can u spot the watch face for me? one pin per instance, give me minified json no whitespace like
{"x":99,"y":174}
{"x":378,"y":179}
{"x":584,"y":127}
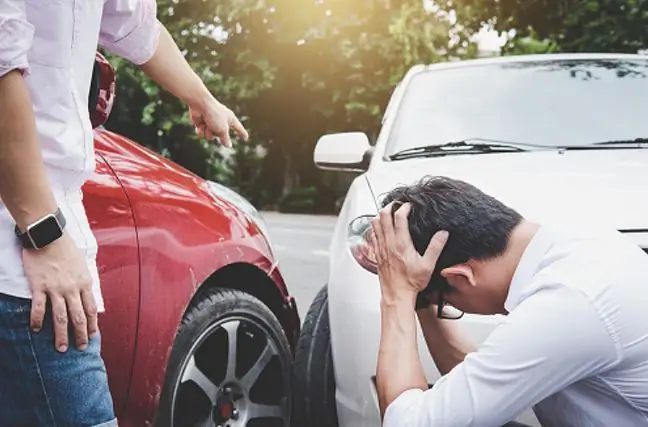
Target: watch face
{"x":45,"y":232}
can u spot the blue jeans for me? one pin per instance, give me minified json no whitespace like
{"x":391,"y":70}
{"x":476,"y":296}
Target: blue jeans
{"x":40,"y":386}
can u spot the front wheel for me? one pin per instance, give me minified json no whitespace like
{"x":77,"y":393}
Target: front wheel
{"x":229,"y":366}
{"x":314,"y":375}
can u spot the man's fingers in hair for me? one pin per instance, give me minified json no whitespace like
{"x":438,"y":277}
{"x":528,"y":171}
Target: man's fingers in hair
{"x":387,"y":224}
{"x":401,"y":225}
{"x":436,"y":245}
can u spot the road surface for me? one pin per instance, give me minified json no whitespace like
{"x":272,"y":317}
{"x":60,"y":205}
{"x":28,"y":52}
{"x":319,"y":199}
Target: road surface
{"x":301,"y":243}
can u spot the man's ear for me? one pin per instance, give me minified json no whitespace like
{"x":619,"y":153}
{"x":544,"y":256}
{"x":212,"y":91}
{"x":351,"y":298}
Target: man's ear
{"x":460,"y":273}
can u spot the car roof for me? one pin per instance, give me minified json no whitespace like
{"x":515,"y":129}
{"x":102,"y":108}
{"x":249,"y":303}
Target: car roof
{"x":508,"y":59}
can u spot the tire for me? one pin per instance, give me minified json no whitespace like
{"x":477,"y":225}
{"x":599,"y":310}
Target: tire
{"x":313,"y":371}
{"x":202,"y":387}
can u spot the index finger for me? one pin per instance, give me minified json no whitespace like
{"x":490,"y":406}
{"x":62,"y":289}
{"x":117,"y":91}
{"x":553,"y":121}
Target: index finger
{"x":239,"y":129}
{"x":436,"y":245}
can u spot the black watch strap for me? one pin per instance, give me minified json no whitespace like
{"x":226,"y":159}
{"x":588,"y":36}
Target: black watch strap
{"x":43,"y":232}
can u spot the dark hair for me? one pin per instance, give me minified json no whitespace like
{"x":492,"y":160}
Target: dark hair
{"x":479,"y":225}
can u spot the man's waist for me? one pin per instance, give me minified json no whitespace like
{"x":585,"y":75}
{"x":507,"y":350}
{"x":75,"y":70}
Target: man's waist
{"x":68,"y":180}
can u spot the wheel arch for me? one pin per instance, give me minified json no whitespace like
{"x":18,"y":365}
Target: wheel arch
{"x":252,"y":280}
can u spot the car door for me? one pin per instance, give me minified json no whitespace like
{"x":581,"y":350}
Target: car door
{"x":111,"y":220}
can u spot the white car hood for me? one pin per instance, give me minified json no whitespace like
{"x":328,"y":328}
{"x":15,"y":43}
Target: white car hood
{"x":600,"y":187}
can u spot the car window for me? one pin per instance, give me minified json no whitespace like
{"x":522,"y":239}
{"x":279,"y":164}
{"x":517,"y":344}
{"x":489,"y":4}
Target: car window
{"x":548,"y":102}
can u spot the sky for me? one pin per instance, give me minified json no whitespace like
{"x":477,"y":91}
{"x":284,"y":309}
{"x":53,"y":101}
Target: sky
{"x":489,"y":40}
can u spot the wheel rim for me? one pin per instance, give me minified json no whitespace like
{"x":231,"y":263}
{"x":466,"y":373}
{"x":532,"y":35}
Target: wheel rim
{"x":233,"y":376}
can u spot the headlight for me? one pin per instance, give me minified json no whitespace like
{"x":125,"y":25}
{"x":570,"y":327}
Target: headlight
{"x":242,"y":203}
{"x":359,"y":240}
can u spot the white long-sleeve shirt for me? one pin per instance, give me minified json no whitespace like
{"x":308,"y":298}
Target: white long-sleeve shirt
{"x":53,"y":42}
{"x":574,"y":346}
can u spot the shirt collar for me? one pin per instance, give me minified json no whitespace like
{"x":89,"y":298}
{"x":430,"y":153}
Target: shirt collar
{"x":528,"y":266}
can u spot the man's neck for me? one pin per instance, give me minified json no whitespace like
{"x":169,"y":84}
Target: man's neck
{"x":518,"y":242}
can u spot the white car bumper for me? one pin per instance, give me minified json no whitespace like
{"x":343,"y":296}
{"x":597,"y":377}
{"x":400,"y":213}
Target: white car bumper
{"x":354,"y":298}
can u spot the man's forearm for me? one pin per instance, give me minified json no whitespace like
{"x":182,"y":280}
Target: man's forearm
{"x":24,"y":187}
{"x":399,"y":368}
{"x":168,"y":68}
{"x":447,"y":346}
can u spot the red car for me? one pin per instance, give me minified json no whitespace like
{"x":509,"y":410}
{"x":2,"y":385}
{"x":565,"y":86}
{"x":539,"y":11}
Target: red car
{"x":199,"y":328}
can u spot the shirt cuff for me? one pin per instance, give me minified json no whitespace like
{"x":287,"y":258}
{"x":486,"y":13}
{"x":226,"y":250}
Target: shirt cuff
{"x":16,"y":37}
{"x":404,"y":410}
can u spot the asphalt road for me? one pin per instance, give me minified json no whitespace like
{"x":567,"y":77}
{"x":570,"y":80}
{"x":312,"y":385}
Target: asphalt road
{"x":301,"y":243}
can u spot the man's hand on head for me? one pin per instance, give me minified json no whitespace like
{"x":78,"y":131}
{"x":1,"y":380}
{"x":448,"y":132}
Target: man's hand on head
{"x":402,"y":271}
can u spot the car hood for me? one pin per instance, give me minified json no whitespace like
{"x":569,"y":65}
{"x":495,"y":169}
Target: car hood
{"x":600,"y":187}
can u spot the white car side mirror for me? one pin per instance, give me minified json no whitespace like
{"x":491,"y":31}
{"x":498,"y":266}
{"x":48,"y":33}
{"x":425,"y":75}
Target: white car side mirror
{"x":347,"y":151}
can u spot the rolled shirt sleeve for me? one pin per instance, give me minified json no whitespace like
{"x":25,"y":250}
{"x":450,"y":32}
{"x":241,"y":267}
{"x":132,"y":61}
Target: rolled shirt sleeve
{"x":16,"y":37}
{"x":552,"y":340}
{"x":130,"y":29}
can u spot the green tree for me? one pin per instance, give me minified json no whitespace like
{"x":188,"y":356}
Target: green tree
{"x":292,"y":72}
{"x":572,"y":26}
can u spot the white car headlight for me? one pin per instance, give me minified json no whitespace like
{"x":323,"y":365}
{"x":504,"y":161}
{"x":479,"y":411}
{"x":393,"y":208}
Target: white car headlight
{"x":359,"y":240}
{"x":242,"y":203}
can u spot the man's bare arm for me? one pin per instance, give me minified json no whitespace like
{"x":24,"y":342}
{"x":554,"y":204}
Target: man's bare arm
{"x":169,"y":69}
{"x":399,"y":368}
{"x":24,"y":187}
{"x":130,"y":29}
{"x":444,"y":340}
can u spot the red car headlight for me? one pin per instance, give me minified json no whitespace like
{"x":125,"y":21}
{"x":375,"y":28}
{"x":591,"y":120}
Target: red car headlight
{"x":359,"y":240}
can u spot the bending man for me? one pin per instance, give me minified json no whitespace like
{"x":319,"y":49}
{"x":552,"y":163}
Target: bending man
{"x":574,"y":342}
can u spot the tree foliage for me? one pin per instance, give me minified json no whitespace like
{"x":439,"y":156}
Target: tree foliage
{"x":568,"y":25}
{"x":296,"y":70}
{"x":292,"y":72}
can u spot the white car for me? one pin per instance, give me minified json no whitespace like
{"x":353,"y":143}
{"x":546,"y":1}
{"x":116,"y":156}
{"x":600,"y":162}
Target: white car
{"x":556,"y":137}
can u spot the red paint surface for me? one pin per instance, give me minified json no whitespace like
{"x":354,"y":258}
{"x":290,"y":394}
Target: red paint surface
{"x":161,"y":234}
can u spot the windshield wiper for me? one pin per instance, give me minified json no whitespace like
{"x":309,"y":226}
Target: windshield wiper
{"x":641,"y":142}
{"x":611,"y":144}
{"x":466,"y":146}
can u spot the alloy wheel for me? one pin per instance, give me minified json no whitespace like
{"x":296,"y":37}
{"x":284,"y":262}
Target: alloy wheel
{"x":233,"y":376}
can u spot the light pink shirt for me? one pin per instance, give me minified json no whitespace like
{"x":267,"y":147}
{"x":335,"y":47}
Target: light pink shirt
{"x":54,"y":42}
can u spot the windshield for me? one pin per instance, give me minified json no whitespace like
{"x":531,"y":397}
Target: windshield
{"x":545,"y":103}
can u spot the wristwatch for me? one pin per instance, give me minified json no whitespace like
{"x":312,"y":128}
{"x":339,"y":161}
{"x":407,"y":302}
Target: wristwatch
{"x":43,"y":232}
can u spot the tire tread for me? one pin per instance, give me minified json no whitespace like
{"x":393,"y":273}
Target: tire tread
{"x":314,"y":388}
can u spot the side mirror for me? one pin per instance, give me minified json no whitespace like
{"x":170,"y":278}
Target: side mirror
{"x":102,"y":91}
{"x":347,"y":151}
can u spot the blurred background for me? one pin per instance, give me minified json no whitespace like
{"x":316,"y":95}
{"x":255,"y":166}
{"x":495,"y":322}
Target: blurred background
{"x":295,"y":70}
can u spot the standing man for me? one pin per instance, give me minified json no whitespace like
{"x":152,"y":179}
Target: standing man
{"x":51,"y":371}
{"x":574,"y":344}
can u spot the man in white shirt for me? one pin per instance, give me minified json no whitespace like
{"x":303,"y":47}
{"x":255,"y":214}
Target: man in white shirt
{"x":48,"y":275}
{"x":574,"y":345}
